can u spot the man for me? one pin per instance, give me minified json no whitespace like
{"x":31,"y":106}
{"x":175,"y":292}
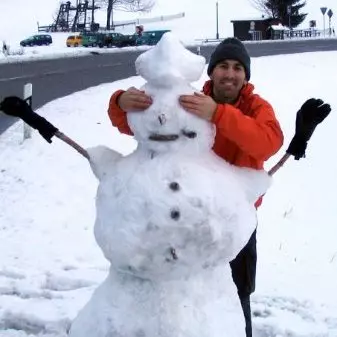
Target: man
{"x":247,"y":133}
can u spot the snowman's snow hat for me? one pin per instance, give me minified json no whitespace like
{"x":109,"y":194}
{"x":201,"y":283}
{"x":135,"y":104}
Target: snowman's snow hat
{"x":173,"y":62}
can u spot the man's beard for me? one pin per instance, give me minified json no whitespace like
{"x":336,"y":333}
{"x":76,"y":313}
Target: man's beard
{"x":221,"y":97}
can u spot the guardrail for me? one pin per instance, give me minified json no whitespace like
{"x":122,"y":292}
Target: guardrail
{"x":302,"y":33}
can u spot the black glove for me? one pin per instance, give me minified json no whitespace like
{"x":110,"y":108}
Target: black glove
{"x":17,"y":107}
{"x":312,"y":112}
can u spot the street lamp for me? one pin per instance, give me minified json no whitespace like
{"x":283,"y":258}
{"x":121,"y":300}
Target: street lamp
{"x":289,"y":15}
{"x":217,"y":19}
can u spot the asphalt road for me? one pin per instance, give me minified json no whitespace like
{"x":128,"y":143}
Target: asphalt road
{"x":56,"y":78}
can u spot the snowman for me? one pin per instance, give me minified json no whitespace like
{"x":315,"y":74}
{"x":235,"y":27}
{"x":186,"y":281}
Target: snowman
{"x":170,"y":217}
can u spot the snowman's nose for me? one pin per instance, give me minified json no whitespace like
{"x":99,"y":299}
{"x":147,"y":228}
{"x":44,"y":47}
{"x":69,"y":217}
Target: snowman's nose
{"x":173,"y":253}
{"x":162,"y":119}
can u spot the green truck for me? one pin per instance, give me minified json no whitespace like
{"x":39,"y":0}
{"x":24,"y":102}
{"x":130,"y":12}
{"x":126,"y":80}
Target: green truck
{"x":107,"y":39}
{"x":118,"y":40}
{"x":150,"y":37}
{"x":114,"y":39}
{"x":90,"y":39}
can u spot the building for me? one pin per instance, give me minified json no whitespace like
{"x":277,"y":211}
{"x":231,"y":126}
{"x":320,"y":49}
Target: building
{"x":254,"y":28}
{"x":277,"y":32}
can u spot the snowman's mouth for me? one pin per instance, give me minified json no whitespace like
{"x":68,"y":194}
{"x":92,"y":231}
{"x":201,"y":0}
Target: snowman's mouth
{"x":163,"y":138}
{"x":169,"y":138}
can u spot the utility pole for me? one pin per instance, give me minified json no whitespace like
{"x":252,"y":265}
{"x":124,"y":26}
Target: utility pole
{"x":289,"y":16}
{"x":93,"y":14}
{"x":217,"y":20}
{"x":330,"y":14}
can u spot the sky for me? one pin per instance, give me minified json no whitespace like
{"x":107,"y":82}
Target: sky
{"x":199,"y":18}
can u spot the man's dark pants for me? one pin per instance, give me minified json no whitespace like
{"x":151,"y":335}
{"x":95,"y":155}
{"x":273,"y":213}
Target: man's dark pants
{"x":244,"y":273}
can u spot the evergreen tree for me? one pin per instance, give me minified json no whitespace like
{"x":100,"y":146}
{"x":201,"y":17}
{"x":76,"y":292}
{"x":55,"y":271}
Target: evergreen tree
{"x":279,"y":9}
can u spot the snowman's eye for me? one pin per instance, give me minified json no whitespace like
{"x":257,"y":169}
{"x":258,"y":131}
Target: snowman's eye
{"x":189,"y":134}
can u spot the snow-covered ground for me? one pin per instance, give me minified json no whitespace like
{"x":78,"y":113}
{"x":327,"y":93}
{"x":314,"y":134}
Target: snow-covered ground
{"x":57,"y":49}
{"x":50,"y":263}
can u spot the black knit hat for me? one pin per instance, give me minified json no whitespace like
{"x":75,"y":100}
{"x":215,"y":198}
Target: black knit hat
{"x":230,"y":49}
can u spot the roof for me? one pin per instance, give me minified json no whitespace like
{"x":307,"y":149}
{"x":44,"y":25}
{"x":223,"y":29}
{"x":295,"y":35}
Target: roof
{"x":156,"y":30}
{"x":252,"y":19}
{"x":278,"y":27}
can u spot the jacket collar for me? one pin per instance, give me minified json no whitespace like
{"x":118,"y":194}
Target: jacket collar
{"x":245,"y":92}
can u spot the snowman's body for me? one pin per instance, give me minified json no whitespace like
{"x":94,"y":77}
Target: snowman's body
{"x":128,"y":306}
{"x":170,"y":217}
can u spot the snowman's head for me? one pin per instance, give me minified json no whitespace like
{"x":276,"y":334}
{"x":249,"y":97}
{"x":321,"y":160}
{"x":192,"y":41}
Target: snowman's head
{"x":169,"y":68}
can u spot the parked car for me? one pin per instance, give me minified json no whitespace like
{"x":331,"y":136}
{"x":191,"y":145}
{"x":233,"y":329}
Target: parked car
{"x":74,"y":41}
{"x":150,"y":37}
{"x":92,"y":39}
{"x":131,"y":39}
{"x":117,"y":40}
{"x":37,"y":40}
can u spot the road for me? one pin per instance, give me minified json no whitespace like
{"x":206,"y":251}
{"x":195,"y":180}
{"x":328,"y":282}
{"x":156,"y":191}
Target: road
{"x":56,"y":78}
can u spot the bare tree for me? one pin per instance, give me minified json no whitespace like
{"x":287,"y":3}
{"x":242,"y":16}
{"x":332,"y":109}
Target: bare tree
{"x":266,"y":7}
{"x":125,"y":6}
{"x":288,"y":11}
{"x":59,"y":19}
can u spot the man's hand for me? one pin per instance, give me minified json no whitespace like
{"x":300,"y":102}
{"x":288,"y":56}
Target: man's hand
{"x":134,"y":100}
{"x":199,"y":104}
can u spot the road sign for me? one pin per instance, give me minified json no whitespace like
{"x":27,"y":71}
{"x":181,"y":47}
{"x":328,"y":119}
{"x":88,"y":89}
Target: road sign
{"x":330,"y":13}
{"x":323,"y":10}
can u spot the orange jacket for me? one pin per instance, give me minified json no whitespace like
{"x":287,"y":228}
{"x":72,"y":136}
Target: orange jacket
{"x":247,"y":133}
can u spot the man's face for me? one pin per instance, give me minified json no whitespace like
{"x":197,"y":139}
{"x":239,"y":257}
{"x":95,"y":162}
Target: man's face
{"x":228,"y":78}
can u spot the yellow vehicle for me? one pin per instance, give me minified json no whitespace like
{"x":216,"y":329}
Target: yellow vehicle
{"x":74,"y":41}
